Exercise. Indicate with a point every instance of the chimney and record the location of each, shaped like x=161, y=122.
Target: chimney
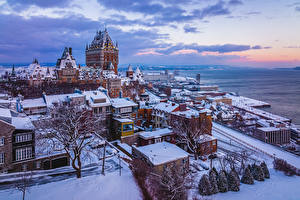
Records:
x=182, y=107
x=70, y=50
x=173, y=104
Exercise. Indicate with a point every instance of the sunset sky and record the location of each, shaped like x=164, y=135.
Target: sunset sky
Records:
x=256, y=33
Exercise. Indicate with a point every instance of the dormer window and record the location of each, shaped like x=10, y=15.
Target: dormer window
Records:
x=2, y=140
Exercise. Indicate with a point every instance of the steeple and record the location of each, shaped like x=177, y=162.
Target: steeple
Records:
x=130, y=68
x=35, y=61
x=13, y=73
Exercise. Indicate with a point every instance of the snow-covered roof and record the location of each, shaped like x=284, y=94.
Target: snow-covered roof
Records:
x=180, y=78
x=166, y=107
x=130, y=68
x=153, y=98
x=50, y=99
x=206, y=138
x=97, y=98
x=4, y=112
x=66, y=60
x=30, y=103
x=109, y=74
x=122, y=102
x=268, y=129
x=162, y=152
x=187, y=113
x=156, y=133
x=123, y=120
x=40, y=72
x=22, y=123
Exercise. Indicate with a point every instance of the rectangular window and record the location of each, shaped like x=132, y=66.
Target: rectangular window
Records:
x=127, y=127
x=23, y=153
x=157, y=140
x=1, y=158
x=95, y=111
x=214, y=142
x=168, y=138
x=23, y=137
x=38, y=164
x=1, y=141
x=126, y=110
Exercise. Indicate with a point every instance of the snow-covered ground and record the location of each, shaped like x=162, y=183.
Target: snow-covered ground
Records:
x=278, y=187
x=111, y=186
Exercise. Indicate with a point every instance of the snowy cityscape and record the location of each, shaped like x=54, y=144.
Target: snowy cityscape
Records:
x=88, y=123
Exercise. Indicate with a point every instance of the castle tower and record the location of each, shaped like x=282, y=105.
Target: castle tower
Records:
x=129, y=72
x=102, y=52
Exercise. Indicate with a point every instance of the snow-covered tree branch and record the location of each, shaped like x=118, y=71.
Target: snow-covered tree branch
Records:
x=72, y=128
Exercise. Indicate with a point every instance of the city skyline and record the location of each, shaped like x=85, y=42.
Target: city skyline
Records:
x=232, y=32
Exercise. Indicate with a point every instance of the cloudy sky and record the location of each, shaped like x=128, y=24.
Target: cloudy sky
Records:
x=258, y=33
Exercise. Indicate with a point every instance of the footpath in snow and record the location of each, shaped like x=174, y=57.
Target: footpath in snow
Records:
x=270, y=149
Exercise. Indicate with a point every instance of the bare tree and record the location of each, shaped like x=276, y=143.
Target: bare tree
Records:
x=171, y=184
x=23, y=184
x=74, y=129
x=191, y=133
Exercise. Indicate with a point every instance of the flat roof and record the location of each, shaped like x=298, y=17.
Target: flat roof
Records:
x=122, y=102
x=268, y=129
x=155, y=134
x=162, y=152
x=22, y=123
x=33, y=103
x=123, y=120
x=5, y=112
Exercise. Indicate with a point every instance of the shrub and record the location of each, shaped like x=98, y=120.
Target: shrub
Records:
x=257, y=172
x=247, y=177
x=287, y=168
x=213, y=183
x=265, y=169
x=233, y=182
x=222, y=182
x=204, y=185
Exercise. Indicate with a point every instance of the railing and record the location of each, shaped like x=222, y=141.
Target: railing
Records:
x=241, y=141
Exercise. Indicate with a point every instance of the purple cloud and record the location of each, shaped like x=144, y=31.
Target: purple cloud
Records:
x=190, y=29
x=45, y=38
x=235, y=2
x=226, y=48
x=41, y=3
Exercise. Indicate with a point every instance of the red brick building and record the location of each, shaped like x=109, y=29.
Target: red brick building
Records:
x=102, y=52
x=152, y=137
